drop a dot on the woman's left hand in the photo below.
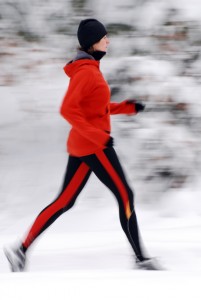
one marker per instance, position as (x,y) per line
(139,106)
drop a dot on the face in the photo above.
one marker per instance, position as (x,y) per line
(102,45)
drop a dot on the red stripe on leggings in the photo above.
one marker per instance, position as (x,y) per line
(117,180)
(60,203)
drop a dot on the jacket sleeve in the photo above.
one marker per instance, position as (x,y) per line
(73,110)
(122,108)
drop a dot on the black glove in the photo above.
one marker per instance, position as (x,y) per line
(138,105)
(110,142)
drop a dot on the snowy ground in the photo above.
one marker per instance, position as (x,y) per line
(78,260)
(84,255)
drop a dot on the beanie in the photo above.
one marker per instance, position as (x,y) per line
(90,31)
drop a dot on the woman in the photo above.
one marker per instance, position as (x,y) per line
(86,106)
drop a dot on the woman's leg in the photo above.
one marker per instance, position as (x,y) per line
(105,164)
(77,174)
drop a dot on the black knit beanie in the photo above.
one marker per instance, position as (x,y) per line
(90,31)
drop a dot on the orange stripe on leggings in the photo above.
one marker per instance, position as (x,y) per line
(60,203)
(117,180)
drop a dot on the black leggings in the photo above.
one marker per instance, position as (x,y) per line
(106,166)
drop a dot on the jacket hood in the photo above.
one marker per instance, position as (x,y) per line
(72,67)
(81,59)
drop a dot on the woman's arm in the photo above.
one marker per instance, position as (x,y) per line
(128,107)
(124,107)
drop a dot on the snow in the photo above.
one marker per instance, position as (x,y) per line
(84,254)
(98,285)
(88,262)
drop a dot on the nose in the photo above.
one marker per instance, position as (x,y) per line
(107,40)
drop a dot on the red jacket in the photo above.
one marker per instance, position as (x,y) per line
(86,106)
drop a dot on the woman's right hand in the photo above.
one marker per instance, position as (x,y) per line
(110,143)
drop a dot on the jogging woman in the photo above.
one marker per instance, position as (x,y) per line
(86,106)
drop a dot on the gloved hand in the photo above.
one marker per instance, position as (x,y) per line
(110,142)
(138,105)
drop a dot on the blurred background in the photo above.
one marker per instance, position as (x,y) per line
(154,56)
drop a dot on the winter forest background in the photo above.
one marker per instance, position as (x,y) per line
(154,56)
